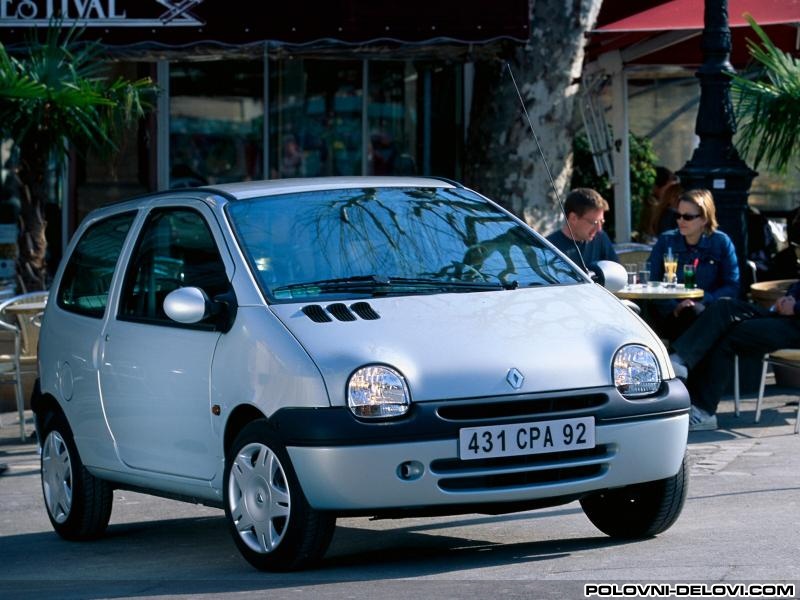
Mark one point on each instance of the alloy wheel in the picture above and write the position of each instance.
(259, 497)
(57, 476)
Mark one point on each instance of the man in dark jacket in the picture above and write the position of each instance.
(704, 353)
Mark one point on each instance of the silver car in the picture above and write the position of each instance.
(292, 351)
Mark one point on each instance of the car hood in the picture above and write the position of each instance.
(463, 345)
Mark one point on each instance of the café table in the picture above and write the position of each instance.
(658, 291)
(644, 293)
(28, 308)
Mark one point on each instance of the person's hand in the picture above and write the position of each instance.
(785, 306)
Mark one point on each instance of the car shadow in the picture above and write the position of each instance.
(197, 555)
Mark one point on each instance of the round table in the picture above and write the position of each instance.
(642, 291)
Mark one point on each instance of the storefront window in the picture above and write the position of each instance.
(216, 122)
(315, 118)
(392, 118)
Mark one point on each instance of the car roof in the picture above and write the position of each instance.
(250, 189)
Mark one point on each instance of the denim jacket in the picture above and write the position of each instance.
(717, 271)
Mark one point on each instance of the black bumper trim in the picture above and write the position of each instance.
(337, 426)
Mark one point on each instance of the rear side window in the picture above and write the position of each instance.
(176, 249)
(88, 274)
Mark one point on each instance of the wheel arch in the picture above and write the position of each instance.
(44, 407)
(240, 417)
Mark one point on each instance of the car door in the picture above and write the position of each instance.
(154, 372)
(73, 328)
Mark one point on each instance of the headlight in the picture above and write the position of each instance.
(376, 391)
(636, 371)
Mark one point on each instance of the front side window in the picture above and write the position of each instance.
(87, 277)
(175, 249)
(389, 241)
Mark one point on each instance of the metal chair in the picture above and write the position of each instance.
(19, 323)
(785, 357)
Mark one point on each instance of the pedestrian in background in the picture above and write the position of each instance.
(664, 178)
(665, 214)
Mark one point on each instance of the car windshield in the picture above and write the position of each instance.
(355, 243)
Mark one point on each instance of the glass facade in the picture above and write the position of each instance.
(320, 123)
(392, 118)
(216, 122)
(316, 109)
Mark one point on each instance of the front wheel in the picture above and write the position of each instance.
(78, 504)
(641, 510)
(268, 515)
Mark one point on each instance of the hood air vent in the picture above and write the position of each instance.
(340, 312)
(316, 313)
(365, 311)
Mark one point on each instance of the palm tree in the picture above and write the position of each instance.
(54, 97)
(768, 104)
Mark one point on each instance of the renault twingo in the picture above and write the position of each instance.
(296, 350)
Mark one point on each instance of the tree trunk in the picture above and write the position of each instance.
(33, 188)
(503, 159)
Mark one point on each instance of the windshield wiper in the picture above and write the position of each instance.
(454, 283)
(378, 283)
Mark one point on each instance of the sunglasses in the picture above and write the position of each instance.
(687, 217)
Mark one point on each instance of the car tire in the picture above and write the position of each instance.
(641, 510)
(78, 504)
(268, 515)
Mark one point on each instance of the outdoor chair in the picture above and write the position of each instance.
(20, 320)
(785, 357)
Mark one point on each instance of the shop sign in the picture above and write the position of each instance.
(99, 13)
(183, 23)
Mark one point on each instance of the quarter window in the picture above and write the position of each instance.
(88, 274)
(176, 249)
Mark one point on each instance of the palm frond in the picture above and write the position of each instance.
(61, 84)
(768, 104)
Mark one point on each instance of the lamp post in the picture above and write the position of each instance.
(715, 163)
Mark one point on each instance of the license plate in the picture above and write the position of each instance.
(526, 438)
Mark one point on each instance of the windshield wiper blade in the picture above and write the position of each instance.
(376, 283)
(356, 282)
(451, 283)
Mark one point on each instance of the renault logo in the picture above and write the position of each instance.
(514, 378)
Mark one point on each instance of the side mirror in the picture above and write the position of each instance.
(611, 275)
(190, 305)
(187, 305)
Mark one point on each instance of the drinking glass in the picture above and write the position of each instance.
(670, 269)
(632, 270)
(644, 274)
(689, 277)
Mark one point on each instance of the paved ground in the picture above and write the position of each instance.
(740, 523)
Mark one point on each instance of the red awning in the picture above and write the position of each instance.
(688, 14)
(779, 18)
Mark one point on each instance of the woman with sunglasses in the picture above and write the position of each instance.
(697, 242)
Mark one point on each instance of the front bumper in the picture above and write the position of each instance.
(372, 477)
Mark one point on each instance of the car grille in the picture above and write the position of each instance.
(482, 411)
(521, 471)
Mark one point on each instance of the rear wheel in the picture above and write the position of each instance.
(78, 504)
(641, 510)
(270, 519)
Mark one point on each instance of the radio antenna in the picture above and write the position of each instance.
(546, 166)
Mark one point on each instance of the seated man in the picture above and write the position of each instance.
(582, 237)
(728, 327)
